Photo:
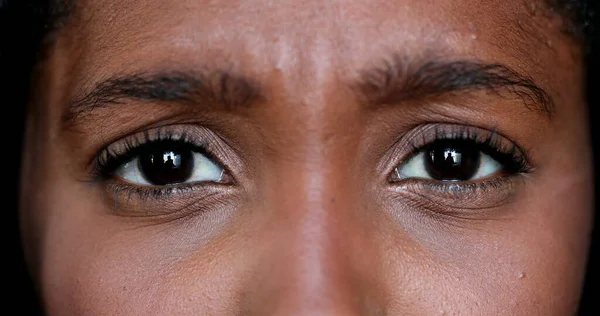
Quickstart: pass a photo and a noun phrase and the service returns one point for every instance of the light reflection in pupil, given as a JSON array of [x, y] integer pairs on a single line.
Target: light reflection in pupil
[[163, 166], [450, 156], [453, 157], [172, 160], [452, 161]]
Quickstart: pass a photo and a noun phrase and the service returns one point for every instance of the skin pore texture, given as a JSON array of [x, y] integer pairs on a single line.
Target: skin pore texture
[[309, 108]]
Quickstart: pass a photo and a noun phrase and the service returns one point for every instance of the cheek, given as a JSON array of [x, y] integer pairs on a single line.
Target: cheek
[[94, 262], [531, 263], [88, 264], [124, 272], [97, 262], [526, 259]]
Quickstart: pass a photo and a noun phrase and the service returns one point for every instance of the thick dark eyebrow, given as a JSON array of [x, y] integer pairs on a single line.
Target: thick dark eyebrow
[[217, 88], [394, 82]]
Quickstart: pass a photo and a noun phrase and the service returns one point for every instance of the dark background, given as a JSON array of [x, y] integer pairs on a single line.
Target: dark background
[[18, 48]]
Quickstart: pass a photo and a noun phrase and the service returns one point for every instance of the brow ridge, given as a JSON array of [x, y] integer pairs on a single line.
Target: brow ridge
[[395, 82], [217, 88]]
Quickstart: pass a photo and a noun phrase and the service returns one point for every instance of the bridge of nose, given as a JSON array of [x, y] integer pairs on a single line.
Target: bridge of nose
[[320, 246], [318, 235]]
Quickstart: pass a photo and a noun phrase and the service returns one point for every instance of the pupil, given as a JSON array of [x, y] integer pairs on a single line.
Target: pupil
[[452, 160], [164, 165]]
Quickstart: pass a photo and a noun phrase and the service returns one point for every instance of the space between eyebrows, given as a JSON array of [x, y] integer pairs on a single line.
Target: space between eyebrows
[[217, 89], [394, 81]]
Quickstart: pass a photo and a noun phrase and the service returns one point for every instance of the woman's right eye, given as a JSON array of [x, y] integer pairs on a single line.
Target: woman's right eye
[[164, 164]]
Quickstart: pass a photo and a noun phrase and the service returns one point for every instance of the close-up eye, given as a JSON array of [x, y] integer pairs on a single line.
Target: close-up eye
[[449, 160], [168, 163], [159, 158], [458, 160]]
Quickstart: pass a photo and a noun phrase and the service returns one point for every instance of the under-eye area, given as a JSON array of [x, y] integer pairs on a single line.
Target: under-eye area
[[448, 167]]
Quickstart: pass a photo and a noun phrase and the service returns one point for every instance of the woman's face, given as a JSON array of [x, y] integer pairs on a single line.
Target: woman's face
[[308, 157]]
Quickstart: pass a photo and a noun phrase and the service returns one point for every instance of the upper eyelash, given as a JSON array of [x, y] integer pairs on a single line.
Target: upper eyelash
[[490, 144], [511, 160], [109, 158]]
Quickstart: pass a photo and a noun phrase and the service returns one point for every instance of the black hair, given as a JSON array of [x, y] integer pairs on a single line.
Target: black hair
[[26, 25], [579, 15]]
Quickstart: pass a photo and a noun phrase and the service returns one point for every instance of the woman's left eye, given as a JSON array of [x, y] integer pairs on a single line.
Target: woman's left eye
[[449, 160], [168, 164]]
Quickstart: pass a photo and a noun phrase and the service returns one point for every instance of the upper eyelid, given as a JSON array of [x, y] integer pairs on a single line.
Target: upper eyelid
[[211, 144], [412, 142], [130, 151], [132, 143], [454, 131]]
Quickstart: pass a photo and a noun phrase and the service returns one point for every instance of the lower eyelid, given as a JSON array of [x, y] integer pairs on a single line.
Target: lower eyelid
[[459, 196], [127, 200]]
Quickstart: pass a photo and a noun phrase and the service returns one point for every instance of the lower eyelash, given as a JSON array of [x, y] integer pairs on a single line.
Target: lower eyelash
[[128, 200], [151, 192], [458, 200], [462, 189]]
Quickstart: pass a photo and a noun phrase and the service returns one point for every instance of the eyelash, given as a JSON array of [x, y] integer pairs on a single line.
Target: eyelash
[[110, 158], [507, 153], [511, 157]]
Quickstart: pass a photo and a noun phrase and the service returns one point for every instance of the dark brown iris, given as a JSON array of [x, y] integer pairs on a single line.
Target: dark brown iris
[[163, 165], [452, 160]]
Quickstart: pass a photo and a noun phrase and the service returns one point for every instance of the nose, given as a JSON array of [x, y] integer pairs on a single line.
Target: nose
[[317, 262]]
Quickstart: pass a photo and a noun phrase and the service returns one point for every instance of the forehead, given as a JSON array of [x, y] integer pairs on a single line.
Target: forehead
[[307, 37]]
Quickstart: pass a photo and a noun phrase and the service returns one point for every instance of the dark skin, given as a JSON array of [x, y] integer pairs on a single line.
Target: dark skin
[[306, 121]]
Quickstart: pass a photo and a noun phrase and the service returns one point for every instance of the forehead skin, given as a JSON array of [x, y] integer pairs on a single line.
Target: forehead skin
[[312, 230], [323, 39]]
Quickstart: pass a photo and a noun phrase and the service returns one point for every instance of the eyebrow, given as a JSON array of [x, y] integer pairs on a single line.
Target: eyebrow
[[390, 83], [394, 82], [217, 88]]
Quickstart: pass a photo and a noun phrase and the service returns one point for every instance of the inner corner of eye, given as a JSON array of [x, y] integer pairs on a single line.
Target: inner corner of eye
[[396, 175]]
